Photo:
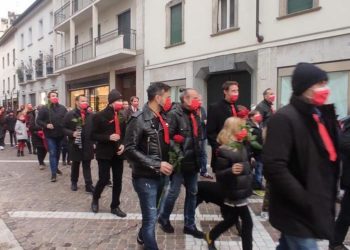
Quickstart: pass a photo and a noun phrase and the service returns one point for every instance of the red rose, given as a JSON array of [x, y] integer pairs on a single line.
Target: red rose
[[179, 139], [241, 135]]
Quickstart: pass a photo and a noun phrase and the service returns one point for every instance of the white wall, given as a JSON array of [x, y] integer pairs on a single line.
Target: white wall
[[198, 28]]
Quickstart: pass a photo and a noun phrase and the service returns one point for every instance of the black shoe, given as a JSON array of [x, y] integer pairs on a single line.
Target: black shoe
[[53, 178], [69, 163], [89, 189], [22, 153], [109, 184], [59, 172], [94, 206], [74, 186], [64, 163], [18, 153], [194, 232], [166, 226], [339, 247], [118, 212], [211, 244], [139, 238]]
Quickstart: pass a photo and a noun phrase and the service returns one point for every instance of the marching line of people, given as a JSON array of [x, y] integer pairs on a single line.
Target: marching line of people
[[298, 149]]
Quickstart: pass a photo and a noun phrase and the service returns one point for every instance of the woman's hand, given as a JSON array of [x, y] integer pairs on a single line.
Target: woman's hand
[[237, 168]]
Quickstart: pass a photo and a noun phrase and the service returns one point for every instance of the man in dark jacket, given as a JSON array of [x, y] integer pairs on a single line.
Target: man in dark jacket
[[77, 126], [301, 163], [343, 221], [219, 112], [10, 122], [185, 122], [146, 148], [265, 107], [50, 118], [108, 131]]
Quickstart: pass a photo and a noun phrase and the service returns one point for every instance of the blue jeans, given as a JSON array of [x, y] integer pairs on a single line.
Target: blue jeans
[[147, 190], [54, 147], [258, 172], [203, 156], [288, 242], [190, 181]]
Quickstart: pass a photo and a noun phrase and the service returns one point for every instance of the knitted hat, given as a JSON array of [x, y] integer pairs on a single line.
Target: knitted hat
[[305, 75], [114, 95]]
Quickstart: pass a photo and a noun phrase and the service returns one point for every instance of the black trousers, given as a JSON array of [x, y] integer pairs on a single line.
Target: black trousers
[[41, 154], [343, 221], [86, 172], [116, 163], [13, 138], [29, 144], [212, 192]]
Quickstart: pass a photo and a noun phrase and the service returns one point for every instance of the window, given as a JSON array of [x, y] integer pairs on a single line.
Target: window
[[8, 59], [76, 40], [8, 84], [3, 86], [13, 57], [51, 21], [290, 7], [41, 28], [14, 81], [176, 24], [91, 34], [30, 36], [22, 41], [339, 83], [226, 15], [3, 62]]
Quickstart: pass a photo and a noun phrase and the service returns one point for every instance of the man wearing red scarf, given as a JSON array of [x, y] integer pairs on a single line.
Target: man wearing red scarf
[[184, 121], [108, 131]]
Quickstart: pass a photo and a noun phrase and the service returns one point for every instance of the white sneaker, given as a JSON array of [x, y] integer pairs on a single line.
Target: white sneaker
[[1, 148], [264, 216]]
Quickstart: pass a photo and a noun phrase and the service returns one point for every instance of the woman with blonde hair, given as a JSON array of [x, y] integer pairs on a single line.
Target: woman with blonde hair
[[233, 183]]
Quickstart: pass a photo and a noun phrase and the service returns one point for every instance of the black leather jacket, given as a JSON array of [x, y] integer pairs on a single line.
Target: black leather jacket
[[265, 109], [180, 124], [236, 187], [144, 142]]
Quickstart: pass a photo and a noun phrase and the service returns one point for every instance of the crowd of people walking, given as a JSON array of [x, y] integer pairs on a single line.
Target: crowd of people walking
[[302, 150]]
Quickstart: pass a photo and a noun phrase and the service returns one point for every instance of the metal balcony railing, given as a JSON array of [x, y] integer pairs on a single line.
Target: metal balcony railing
[[129, 38], [62, 14], [82, 52], [80, 4], [62, 60]]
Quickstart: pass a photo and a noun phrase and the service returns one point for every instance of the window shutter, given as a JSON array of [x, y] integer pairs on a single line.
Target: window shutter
[[176, 24], [298, 5]]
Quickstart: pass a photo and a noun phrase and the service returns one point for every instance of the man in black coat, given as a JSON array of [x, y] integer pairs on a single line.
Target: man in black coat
[[219, 112], [108, 131], [265, 107], [185, 122], [50, 118], [77, 126], [146, 148], [301, 163], [10, 122], [343, 221]]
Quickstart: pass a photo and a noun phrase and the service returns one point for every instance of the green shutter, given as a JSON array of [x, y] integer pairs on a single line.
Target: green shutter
[[176, 24], [299, 5]]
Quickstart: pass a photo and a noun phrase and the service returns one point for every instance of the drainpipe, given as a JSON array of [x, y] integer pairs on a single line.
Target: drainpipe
[[258, 36]]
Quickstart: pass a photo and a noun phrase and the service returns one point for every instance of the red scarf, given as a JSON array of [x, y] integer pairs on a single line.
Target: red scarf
[[234, 113], [166, 129], [83, 115], [194, 125], [327, 141], [116, 123]]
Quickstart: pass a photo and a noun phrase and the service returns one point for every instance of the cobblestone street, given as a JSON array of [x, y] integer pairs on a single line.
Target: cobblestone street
[[38, 214]]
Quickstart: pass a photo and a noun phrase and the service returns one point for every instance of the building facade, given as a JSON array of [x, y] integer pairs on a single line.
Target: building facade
[[98, 47], [34, 38], [201, 44]]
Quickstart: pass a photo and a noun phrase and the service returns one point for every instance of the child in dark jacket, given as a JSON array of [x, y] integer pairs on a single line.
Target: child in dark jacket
[[233, 183]]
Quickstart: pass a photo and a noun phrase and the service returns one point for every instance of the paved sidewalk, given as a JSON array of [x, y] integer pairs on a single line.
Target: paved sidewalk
[[38, 214]]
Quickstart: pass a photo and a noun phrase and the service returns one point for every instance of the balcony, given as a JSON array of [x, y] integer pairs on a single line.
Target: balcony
[[82, 52], [62, 14], [112, 46], [62, 60], [80, 4]]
